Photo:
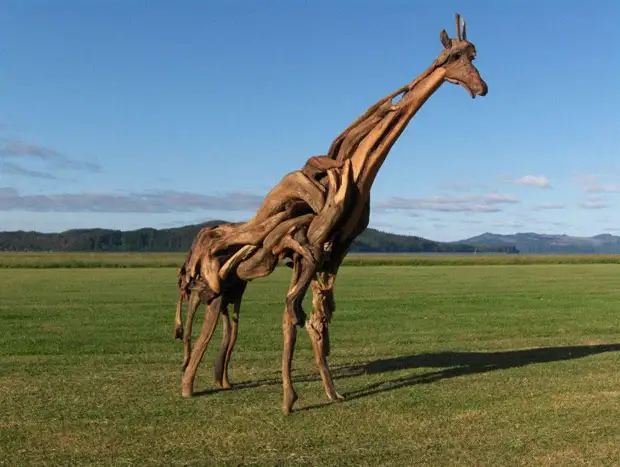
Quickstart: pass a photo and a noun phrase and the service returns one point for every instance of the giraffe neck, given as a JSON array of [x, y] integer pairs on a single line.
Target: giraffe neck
[[368, 140], [386, 127]]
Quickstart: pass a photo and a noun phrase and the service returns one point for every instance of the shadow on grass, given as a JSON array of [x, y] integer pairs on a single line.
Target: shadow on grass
[[465, 363], [454, 364]]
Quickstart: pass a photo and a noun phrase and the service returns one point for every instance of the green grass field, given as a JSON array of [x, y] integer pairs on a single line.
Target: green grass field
[[445, 365], [168, 260]]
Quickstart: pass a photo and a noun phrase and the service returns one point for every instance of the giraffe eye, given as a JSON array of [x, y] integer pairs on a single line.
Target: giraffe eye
[[456, 56]]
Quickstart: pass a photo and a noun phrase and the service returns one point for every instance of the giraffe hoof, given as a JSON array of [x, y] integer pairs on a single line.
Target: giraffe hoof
[[178, 332], [223, 385], [335, 397], [289, 401]]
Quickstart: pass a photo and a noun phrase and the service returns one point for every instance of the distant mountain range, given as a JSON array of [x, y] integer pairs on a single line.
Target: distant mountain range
[[179, 239], [531, 243]]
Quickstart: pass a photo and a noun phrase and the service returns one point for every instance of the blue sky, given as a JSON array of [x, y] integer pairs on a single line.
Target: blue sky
[[127, 114]]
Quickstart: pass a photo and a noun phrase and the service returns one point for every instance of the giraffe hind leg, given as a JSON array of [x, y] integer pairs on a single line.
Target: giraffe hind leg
[[214, 308], [229, 336], [178, 324], [194, 303], [218, 367]]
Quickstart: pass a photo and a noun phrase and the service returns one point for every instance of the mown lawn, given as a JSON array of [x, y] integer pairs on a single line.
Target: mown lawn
[[64, 260], [443, 365]]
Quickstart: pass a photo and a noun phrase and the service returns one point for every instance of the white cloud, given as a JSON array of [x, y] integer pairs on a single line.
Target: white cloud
[[7, 192], [538, 181], [462, 187], [14, 169], [497, 198], [20, 150], [145, 202], [593, 203], [446, 203], [379, 225], [508, 225], [591, 183], [548, 206]]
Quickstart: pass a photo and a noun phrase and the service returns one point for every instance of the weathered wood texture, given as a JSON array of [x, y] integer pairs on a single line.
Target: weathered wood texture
[[309, 219]]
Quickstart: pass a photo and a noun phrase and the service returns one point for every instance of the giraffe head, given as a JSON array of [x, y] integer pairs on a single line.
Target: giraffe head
[[456, 59]]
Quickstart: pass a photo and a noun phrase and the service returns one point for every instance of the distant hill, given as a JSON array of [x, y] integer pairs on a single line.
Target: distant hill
[[179, 240], [372, 240], [147, 239], [530, 242]]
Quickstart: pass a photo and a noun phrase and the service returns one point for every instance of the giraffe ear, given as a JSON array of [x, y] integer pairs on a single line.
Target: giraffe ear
[[445, 40]]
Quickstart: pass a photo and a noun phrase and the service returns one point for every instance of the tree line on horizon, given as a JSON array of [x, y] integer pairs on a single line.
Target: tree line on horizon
[[180, 239]]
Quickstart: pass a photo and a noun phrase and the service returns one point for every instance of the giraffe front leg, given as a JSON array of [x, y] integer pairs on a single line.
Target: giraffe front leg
[[303, 271], [295, 296], [289, 332], [318, 329], [305, 262]]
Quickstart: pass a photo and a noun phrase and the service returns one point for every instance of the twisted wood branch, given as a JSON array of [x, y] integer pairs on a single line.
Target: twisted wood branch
[[297, 217]]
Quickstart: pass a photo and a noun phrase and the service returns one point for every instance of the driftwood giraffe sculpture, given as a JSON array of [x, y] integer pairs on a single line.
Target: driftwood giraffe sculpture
[[310, 218]]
